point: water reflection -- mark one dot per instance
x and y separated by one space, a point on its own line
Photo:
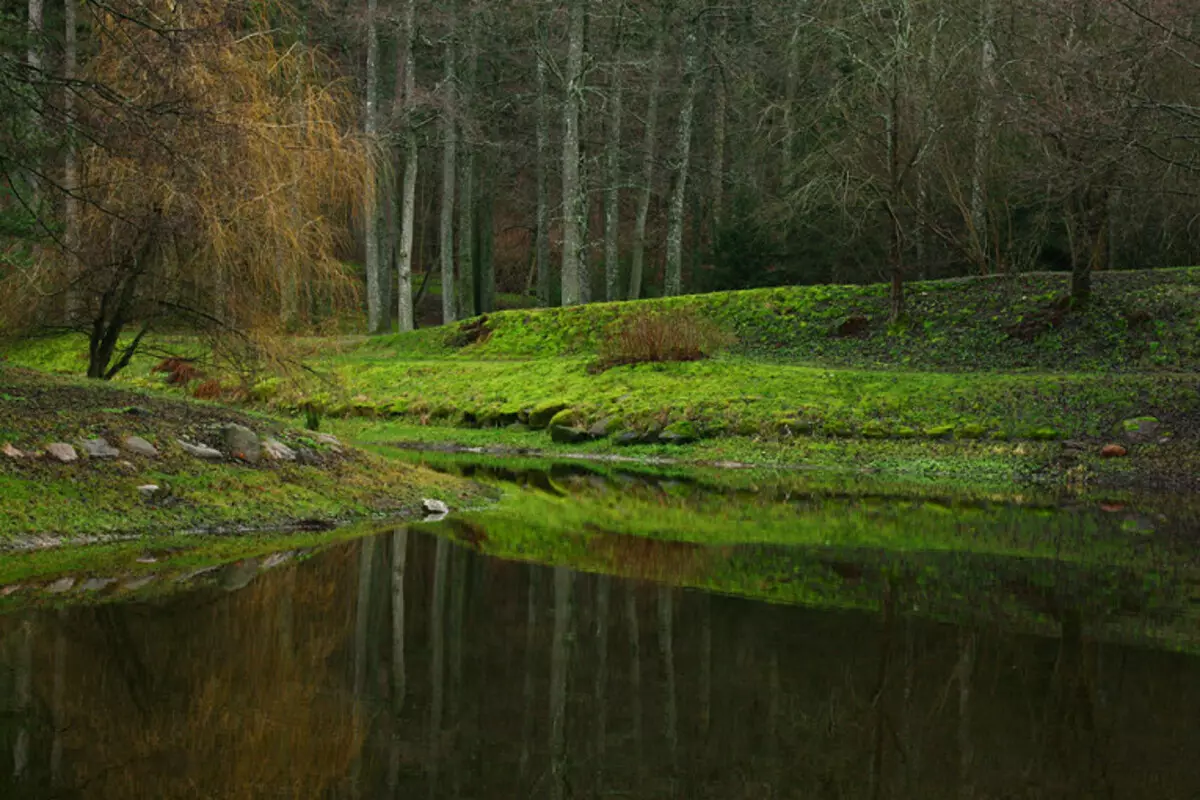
406 665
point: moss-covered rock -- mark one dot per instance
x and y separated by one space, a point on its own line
567 418
840 430
875 430
939 431
566 434
1046 434
681 432
541 415
972 430
1138 430
905 432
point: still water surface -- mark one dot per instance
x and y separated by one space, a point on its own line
410 664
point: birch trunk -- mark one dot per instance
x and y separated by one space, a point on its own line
717 190
983 135
408 198
376 313
449 146
33 59
572 192
542 221
649 142
674 278
612 189
466 200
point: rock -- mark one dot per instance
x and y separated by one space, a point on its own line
565 418
1139 430
238 574
307 457
277 451
147 559
327 439
435 506
603 429
939 431
148 491
96 584
62 452
540 416
11 451
627 438
1045 434
971 430
563 434
99 448
1073 446
275 559
139 447
241 443
1113 451
138 583
200 451
875 430
127 467
61 585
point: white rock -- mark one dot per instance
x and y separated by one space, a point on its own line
62 452
148 491
200 451
328 438
435 506
61 585
278 451
11 451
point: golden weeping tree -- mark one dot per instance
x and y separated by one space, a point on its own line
216 166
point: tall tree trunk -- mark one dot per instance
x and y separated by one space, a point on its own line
560 665
612 158
717 167
674 278
70 161
649 144
542 221
376 311
467 265
574 224
449 147
405 314
983 136
33 59
486 237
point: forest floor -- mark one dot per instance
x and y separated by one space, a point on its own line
44 500
998 381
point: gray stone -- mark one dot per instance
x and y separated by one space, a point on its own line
540 417
241 443
198 573
61 585
99 448
138 583
602 429
307 457
11 451
201 451
327 438
96 584
277 451
139 446
435 506
238 574
627 438
62 452
564 434
148 491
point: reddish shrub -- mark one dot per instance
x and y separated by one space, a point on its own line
179 371
209 390
647 336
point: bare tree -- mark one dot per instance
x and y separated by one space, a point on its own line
574 220
649 144
683 149
449 150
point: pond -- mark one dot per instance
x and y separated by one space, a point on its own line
541 649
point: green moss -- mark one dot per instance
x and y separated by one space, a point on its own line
971 431
1046 434
875 430
939 431
566 418
544 412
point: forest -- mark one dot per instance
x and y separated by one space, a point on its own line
282 167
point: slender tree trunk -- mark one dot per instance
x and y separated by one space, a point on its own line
449 147
542 221
674 278
376 312
983 135
487 241
612 158
572 193
467 265
649 144
560 665
408 198
70 161
717 191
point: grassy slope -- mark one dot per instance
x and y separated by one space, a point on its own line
95 497
790 390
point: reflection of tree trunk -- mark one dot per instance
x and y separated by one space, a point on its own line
530 639
560 662
603 591
635 673
437 661
706 664
458 575
966 674
24 698
666 647
59 696
878 721
399 667
1075 739
908 735
362 619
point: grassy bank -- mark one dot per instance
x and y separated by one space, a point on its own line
41 497
985 376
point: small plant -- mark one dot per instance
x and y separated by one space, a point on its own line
646 337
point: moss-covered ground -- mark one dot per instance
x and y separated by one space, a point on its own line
985 379
42 498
